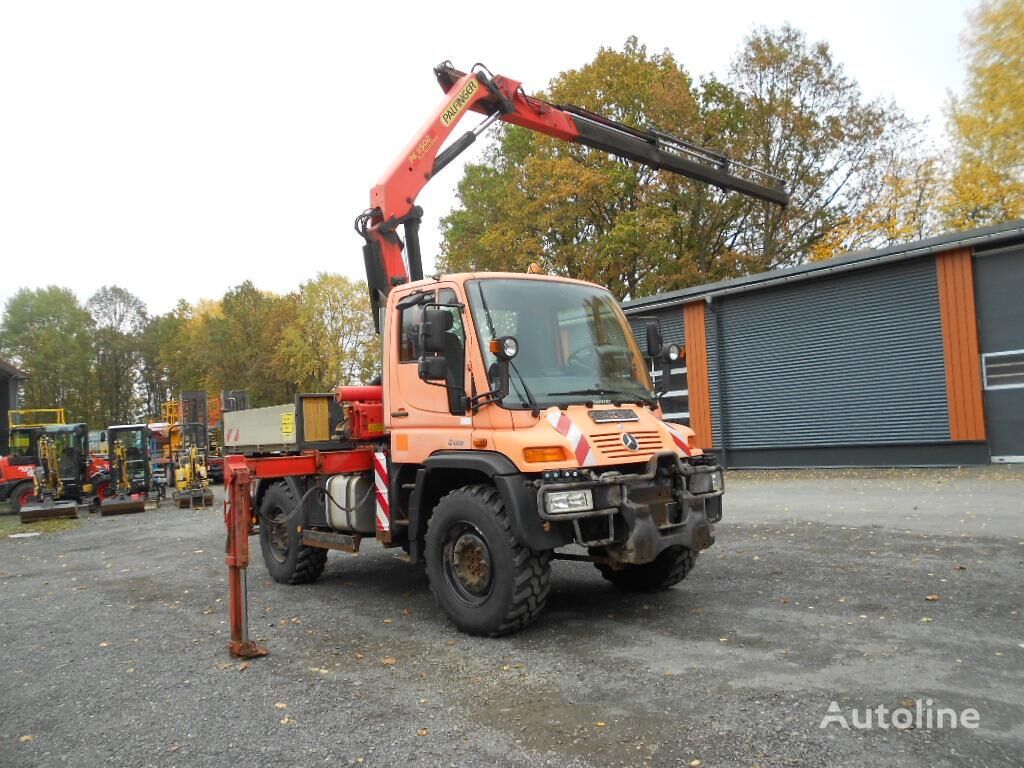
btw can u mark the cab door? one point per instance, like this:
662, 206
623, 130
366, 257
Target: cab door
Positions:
423, 416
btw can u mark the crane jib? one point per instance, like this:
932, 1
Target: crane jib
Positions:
638, 147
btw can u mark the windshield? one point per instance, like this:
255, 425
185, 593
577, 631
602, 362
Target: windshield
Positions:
131, 439
574, 342
134, 443
68, 443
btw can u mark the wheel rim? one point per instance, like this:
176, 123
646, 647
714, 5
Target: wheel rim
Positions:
103, 492
277, 537
467, 564
25, 497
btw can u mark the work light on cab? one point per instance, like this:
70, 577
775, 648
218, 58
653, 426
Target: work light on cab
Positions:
504, 348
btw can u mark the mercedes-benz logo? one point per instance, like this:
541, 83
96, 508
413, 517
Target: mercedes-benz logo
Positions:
630, 442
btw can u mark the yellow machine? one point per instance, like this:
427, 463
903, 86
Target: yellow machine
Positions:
191, 476
48, 487
129, 470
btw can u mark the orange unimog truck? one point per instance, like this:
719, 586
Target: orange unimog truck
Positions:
515, 421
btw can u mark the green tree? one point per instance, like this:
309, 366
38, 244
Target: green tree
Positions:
987, 123
186, 349
331, 340
156, 379
48, 334
579, 213
119, 318
238, 347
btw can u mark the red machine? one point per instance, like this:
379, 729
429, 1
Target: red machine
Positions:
501, 487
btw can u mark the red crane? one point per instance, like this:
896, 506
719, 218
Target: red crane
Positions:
393, 199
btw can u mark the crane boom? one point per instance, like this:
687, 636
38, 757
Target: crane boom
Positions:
393, 199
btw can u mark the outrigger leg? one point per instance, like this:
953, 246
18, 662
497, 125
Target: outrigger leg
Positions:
238, 519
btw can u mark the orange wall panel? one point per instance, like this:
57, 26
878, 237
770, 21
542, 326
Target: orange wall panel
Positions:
697, 373
960, 345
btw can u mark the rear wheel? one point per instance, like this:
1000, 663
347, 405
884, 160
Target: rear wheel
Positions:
288, 560
664, 572
484, 579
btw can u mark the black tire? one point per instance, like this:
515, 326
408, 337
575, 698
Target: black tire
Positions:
497, 585
17, 494
664, 572
287, 559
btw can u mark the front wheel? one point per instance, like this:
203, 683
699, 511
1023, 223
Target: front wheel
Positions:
664, 572
484, 579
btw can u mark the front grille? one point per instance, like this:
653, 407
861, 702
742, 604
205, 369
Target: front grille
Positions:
611, 445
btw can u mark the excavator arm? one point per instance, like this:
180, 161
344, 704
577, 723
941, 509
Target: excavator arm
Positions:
393, 200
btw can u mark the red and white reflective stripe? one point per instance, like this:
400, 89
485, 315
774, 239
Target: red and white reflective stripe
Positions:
577, 442
679, 439
380, 481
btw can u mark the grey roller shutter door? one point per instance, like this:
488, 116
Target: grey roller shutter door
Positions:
853, 359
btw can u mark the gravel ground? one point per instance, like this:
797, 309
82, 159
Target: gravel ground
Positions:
114, 633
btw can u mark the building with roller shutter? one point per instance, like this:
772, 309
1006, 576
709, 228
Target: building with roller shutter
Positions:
911, 355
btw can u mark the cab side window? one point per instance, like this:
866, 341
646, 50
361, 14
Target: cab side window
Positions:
455, 351
409, 334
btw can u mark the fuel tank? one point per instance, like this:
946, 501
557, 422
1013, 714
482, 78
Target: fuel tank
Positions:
351, 506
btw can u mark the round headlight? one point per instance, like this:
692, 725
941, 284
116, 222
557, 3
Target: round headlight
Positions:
673, 352
509, 347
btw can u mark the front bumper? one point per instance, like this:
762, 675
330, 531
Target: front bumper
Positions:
637, 516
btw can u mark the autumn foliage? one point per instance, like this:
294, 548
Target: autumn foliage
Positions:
111, 362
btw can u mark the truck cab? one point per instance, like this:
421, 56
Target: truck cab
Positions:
535, 386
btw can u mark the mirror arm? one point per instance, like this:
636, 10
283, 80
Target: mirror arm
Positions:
495, 395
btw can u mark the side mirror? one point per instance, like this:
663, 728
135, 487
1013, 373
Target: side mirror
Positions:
436, 323
433, 368
654, 340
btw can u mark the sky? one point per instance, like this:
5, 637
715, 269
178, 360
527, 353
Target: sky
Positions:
178, 149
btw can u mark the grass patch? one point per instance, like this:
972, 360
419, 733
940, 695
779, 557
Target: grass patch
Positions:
11, 524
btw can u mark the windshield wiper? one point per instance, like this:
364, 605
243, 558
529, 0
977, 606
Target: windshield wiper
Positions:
623, 396
534, 408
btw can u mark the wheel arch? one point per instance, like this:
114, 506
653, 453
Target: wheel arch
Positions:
444, 471
264, 485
